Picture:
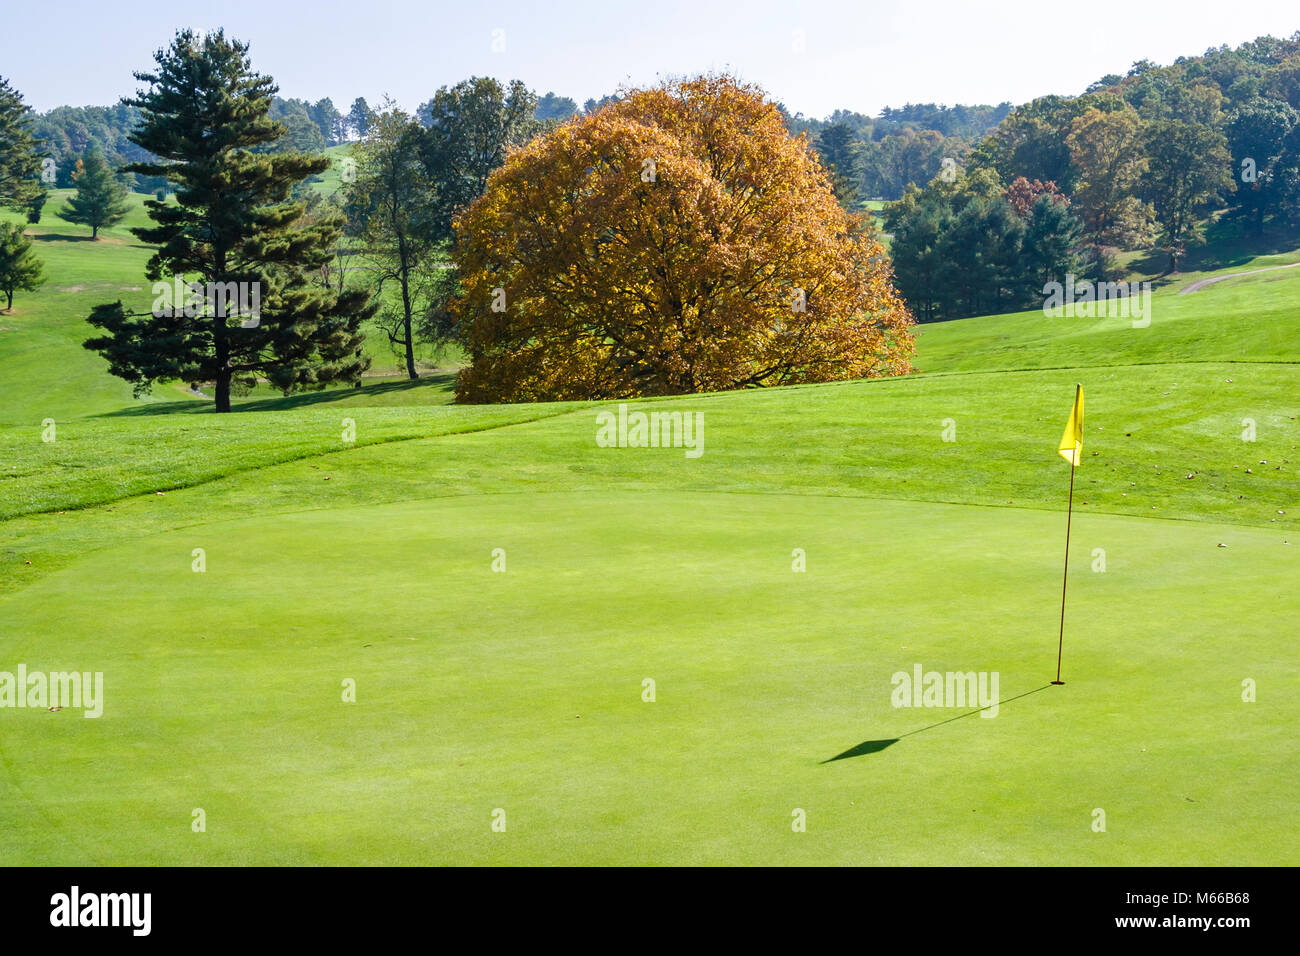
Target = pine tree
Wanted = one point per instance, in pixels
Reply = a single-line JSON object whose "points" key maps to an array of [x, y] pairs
{"points": [[19, 267], [100, 199], [360, 117], [1052, 245], [233, 230], [20, 163]]}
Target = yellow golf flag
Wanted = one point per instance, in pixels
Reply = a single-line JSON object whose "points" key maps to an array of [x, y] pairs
{"points": [[1072, 441]]}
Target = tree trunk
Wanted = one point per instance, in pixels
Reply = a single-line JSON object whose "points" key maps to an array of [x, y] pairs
{"points": [[406, 322], [10, 306], [222, 348], [94, 232], [223, 390], [410, 352]]}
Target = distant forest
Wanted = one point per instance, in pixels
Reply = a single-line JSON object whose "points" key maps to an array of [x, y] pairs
{"points": [[984, 203], [899, 147], [1067, 184]]}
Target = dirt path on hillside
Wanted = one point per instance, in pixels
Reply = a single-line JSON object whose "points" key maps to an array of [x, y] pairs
{"points": [[1202, 283]]}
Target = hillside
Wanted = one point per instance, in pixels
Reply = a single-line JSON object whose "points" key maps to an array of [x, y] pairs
{"points": [[370, 560], [1181, 365]]}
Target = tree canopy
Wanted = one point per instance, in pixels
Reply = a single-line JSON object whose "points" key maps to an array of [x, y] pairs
{"points": [[678, 240], [20, 161], [232, 228]]}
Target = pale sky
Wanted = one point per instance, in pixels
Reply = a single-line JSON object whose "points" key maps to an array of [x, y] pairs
{"points": [[814, 56]]}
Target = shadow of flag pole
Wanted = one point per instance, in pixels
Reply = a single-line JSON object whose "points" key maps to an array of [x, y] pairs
{"points": [[1071, 449]]}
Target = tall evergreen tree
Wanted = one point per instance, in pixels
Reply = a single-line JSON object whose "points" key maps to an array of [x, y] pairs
{"points": [[233, 229], [1052, 246], [982, 248], [360, 116], [918, 222], [100, 199], [35, 206], [20, 161], [329, 120]]}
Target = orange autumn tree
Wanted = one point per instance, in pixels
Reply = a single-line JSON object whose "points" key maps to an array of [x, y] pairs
{"points": [[679, 240]]}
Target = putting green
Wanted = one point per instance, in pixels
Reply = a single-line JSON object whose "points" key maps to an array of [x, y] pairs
{"points": [[522, 690]]}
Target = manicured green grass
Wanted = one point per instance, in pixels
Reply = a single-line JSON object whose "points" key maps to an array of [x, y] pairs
{"points": [[94, 461], [370, 560], [523, 690], [1249, 319], [44, 371], [1149, 428]]}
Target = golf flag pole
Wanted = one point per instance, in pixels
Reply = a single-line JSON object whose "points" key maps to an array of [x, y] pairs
{"points": [[1071, 449]]}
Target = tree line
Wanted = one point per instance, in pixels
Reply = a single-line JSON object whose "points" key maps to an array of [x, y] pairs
{"points": [[672, 239], [381, 244], [1137, 162], [1061, 185], [879, 157], [66, 134]]}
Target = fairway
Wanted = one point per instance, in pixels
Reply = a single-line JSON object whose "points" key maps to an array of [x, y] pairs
{"points": [[528, 470], [522, 690]]}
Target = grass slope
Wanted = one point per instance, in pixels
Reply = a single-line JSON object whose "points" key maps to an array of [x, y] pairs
{"points": [[44, 371], [371, 561]]}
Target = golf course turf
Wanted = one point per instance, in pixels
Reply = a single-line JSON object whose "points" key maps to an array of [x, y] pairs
{"points": [[523, 690], [928, 513]]}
